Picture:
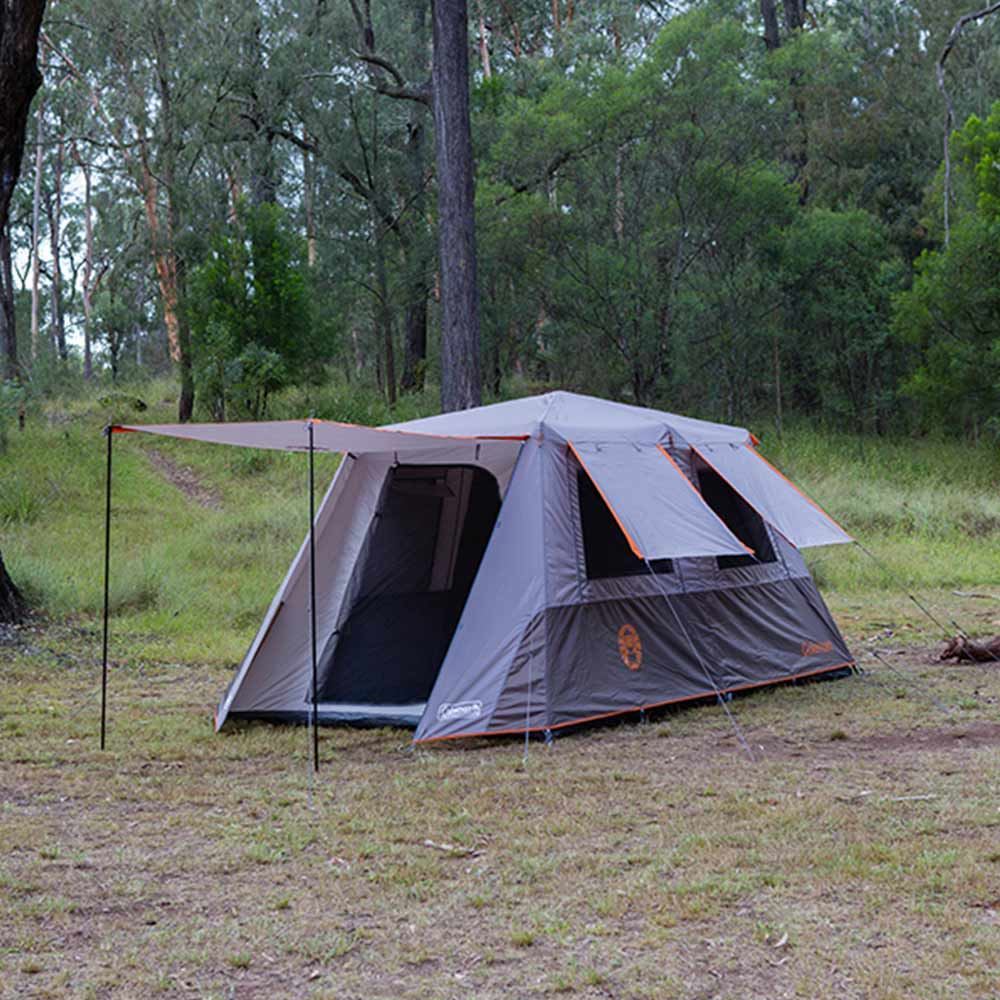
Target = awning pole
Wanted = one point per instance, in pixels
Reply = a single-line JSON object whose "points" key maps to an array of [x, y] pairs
{"points": [[108, 433], [312, 599]]}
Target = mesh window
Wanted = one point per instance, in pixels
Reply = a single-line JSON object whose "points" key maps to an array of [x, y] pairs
{"points": [[605, 547], [739, 517]]}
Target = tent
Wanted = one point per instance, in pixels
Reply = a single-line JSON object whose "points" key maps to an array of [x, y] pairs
{"points": [[531, 565]]}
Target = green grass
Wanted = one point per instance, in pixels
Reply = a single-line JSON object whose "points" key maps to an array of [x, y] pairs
{"points": [[928, 509]]}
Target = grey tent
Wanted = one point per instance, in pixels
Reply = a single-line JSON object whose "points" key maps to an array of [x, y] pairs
{"points": [[535, 564]]}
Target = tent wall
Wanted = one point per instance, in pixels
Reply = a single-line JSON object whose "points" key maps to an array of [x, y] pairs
{"points": [[706, 624], [496, 647], [274, 679], [618, 655]]}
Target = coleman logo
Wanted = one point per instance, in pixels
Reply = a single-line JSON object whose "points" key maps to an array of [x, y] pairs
{"points": [[630, 646], [816, 648], [448, 711]]}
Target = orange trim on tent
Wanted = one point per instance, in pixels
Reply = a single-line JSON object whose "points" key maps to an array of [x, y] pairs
{"points": [[636, 708], [670, 458], [631, 541]]}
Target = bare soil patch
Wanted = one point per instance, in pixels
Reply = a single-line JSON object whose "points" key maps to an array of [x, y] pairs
{"points": [[185, 479]]}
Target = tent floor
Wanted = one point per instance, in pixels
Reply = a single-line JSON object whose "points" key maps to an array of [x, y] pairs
{"points": [[362, 715], [367, 716]]}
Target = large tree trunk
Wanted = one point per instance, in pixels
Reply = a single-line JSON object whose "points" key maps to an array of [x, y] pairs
{"points": [[12, 604], [20, 22], [460, 369]]}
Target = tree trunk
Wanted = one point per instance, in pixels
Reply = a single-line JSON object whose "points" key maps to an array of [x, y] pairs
{"points": [[772, 36], [8, 334], [416, 251], [12, 604], [54, 211], [36, 225], [484, 47], [20, 22], [309, 201], [383, 314], [169, 263], [795, 14], [460, 367], [88, 271]]}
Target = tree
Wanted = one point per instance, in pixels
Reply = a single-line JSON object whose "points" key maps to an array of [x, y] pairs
{"points": [[461, 384], [20, 78], [253, 324], [20, 23], [950, 313]]}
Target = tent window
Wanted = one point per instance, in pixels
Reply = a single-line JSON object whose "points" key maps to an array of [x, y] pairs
{"points": [[605, 548], [739, 517]]}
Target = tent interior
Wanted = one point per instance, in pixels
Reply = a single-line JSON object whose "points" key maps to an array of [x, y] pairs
{"points": [[410, 584]]}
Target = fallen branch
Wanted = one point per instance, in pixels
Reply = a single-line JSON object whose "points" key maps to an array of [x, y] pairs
{"points": [[962, 649]]}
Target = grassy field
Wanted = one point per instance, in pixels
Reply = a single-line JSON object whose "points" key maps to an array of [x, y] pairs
{"points": [[857, 854]]}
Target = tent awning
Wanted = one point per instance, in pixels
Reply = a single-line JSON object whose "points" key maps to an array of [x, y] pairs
{"points": [[660, 513], [293, 435], [773, 496]]}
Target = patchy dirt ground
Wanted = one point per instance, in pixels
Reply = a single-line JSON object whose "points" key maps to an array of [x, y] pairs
{"points": [[185, 479], [858, 855]]}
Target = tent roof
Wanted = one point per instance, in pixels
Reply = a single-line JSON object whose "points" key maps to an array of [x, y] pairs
{"points": [[293, 435], [566, 415], [578, 418]]}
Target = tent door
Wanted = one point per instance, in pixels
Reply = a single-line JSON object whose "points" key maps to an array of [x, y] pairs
{"points": [[422, 554]]}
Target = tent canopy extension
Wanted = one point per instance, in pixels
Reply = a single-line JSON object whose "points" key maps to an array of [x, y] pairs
{"points": [[531, 565]]}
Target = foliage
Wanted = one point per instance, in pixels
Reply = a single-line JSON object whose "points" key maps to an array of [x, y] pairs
{"points": [[951, 311], [668, 212], [839, 277], [253, 321]]}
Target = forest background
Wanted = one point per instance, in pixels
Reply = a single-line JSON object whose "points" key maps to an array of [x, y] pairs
{"points": [[734, 209]]}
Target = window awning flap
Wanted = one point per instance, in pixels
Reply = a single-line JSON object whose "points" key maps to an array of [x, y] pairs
{"points": [[774, 497], [293, 435], [661, 514]]}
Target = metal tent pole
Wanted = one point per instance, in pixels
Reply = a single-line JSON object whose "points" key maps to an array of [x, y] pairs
{"points": [[109, 434], [312, 599]]}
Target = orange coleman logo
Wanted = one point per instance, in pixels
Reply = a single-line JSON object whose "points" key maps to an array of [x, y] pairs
{"points": [[815, 648], [630, 647]]}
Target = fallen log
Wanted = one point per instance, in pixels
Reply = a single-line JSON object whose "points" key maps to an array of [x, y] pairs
{"points": [[963, 649]]}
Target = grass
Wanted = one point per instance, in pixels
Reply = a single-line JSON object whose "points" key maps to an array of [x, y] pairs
{"points": [[613, 863], [855, 857]]}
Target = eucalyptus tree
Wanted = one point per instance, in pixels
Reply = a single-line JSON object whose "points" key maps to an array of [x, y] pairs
{"points": [[151, 80]]}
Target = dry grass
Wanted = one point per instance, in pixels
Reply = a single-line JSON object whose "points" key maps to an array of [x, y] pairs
{"points": [[859, 856]]}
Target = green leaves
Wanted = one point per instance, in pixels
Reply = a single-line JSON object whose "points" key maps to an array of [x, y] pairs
{"points": [[253, 323]]}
